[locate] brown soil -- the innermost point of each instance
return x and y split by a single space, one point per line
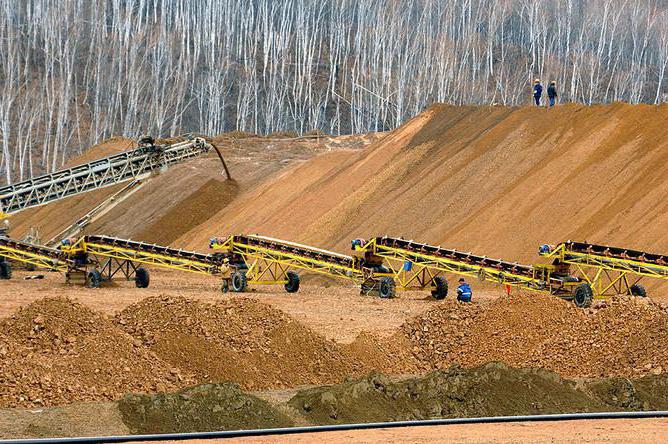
621 338
621 431
187 195
585 173
57 351
202 408
241 340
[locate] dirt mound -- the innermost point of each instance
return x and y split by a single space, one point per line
201 408
392 355
494 180
57 351
240 340
190 211
489 390
623 337
185 196
647 393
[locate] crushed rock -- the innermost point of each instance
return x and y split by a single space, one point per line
624 337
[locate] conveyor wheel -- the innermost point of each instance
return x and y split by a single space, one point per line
387 288
292 286
93 279
638 290
440 290
583 296
142 277
5 270
239 281
225 287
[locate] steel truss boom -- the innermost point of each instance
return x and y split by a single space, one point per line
266 260
609 270
36 255
415 264
611 258
99 173
145 253
93 259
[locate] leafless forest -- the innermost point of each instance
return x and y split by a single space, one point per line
73 72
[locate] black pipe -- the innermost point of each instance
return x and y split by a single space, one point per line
338 427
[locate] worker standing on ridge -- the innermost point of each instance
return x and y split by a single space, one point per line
464 291
537 91
552 92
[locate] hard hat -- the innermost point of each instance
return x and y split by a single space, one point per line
553 82
536 81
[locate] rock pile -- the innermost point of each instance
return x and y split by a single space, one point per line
57 351
240 340
623 337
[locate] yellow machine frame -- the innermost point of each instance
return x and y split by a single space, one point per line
608 276
424 268
128 254
267 266
37 260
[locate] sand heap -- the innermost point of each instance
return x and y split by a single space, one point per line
241 340
57 351
494 180
186 195
624 337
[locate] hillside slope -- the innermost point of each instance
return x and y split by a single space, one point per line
495 180
185 196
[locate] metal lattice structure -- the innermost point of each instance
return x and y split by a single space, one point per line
266 260
609 270
416 265
100 173
93 259
122 252
35 255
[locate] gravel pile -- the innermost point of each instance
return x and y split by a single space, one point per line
57 351
622 337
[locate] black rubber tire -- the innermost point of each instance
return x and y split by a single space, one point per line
93 279
142 277
5 270
387 289
583 296
440 290
292 286
225 287
239 281
638 290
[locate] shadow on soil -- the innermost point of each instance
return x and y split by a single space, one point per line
489 390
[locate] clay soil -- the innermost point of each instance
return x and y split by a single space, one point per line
182 331
493 180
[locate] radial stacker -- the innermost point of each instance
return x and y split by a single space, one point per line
257 260
607 270
134 166
93 259
579 271
138 163
379 266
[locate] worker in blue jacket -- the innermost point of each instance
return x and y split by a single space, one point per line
464 291
537 91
